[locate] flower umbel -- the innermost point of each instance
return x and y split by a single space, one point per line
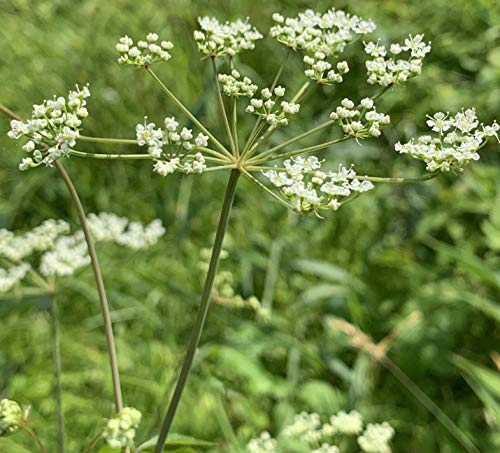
454 144
11 417
120 430
53 128
216 39
310 189
144 53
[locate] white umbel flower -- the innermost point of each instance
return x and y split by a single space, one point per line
11 417
376 438
144 53
120 430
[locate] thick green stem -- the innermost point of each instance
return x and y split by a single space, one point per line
56 354
188 113
108 328
202 311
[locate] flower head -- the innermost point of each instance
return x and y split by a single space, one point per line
455 142
11 417
376 438
215 39
120 430
144 53
52 130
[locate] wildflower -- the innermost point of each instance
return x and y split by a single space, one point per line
233 86
387 71
170 148
268 109
145 53
10 277
359 124
52 130
347 423
326 448
263 444
455 144
320 36
216 39
120 430
11 417
305 427
376 438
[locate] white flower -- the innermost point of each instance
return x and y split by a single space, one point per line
216 39
145 53
455 144
11 417
376 438
263 444
347 423
120 430
279 91
53 128
201 140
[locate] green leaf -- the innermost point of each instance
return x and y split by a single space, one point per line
8 445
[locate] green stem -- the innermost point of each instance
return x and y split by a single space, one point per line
234 106
220 100
267 190
56 354
202 310
107 141
34 435
398 180
260 158
142 156
108 327
296 139
301 91
188 113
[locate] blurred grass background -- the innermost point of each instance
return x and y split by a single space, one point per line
432 248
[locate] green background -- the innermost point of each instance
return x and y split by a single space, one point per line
432 248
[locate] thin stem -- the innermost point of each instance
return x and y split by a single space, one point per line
108 327
220 100
34 435
234 108
267 190
202 310
188 113
260 158
56 354
142 156
301 91
398 180
430 405
254 133
91 444
296 139
107 141
97 274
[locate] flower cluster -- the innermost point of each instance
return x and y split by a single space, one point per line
64 254
10 277
453 145
263 444
360 121
320 36
269 107
347 423
11 417
233 86
53 128
144 53
321 70
387 71
307 431
376 438
216 39
120 430
310 189
305 427
16 247
171 149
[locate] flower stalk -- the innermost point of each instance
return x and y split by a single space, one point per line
202 310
